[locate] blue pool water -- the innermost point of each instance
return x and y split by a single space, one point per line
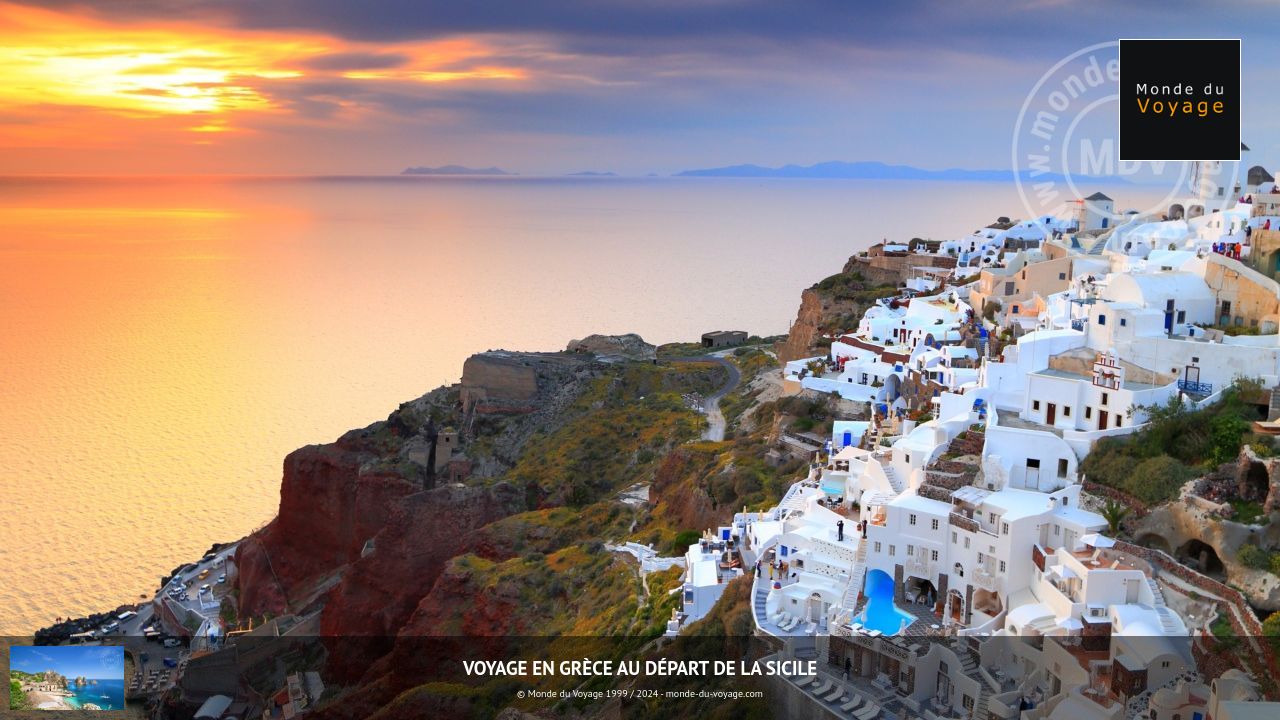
833 487
880 613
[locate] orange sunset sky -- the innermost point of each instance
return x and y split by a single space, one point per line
336 86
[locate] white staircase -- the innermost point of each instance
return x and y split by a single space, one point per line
849 603
894 481
1156 593
1169 622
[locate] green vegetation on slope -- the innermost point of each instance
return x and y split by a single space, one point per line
1177 443
619 430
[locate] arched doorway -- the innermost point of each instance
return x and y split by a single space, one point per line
1176 211
1155 541
955 605
815 609
1255 483
921 591
1201 556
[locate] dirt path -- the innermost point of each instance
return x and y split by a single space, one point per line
711 403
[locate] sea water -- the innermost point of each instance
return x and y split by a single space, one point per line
106 694
165 342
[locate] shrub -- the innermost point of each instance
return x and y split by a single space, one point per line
1109 464
1225 433
1271 627
1157 479
1254 557
683 540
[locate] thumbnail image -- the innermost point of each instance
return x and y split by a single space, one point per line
66 677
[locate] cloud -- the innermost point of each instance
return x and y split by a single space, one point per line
356 61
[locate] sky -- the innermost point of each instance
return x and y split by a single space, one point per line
71 661
538 87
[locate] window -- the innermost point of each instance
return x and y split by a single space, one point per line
1033 463
1002 566
912 519
1088 412
1123 322
1008 288
953 537
966 543
1105 397
933 555
877 546
1062 467
1004 528
1015 310
1118 419
1164 664
934 523
1066 411
1057 530
1102 319
1062 276
1182 317
911 551
1035 405
893 550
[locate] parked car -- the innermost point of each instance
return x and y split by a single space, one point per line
170 663
171 642
222 578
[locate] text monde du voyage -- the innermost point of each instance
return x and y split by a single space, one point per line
638 668
1180 99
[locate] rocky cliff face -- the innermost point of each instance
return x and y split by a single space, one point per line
333 498
835 305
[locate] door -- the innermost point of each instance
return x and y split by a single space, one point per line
1102 419
1050 414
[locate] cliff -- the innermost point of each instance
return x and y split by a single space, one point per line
835 305
399 570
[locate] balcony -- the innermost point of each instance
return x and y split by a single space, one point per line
986 580
919 566
1195 388
964 523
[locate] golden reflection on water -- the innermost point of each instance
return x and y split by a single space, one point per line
164 343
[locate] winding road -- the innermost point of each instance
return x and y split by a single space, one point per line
711 403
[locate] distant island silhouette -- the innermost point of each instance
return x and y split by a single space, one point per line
872 170
453 170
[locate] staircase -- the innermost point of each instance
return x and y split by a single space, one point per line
894 481
1099 244
1273 411
1155 591
1168 622
980 703
851 591
762 615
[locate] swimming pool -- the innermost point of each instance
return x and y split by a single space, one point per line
880 613
833 487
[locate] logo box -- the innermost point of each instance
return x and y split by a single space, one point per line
1180 99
